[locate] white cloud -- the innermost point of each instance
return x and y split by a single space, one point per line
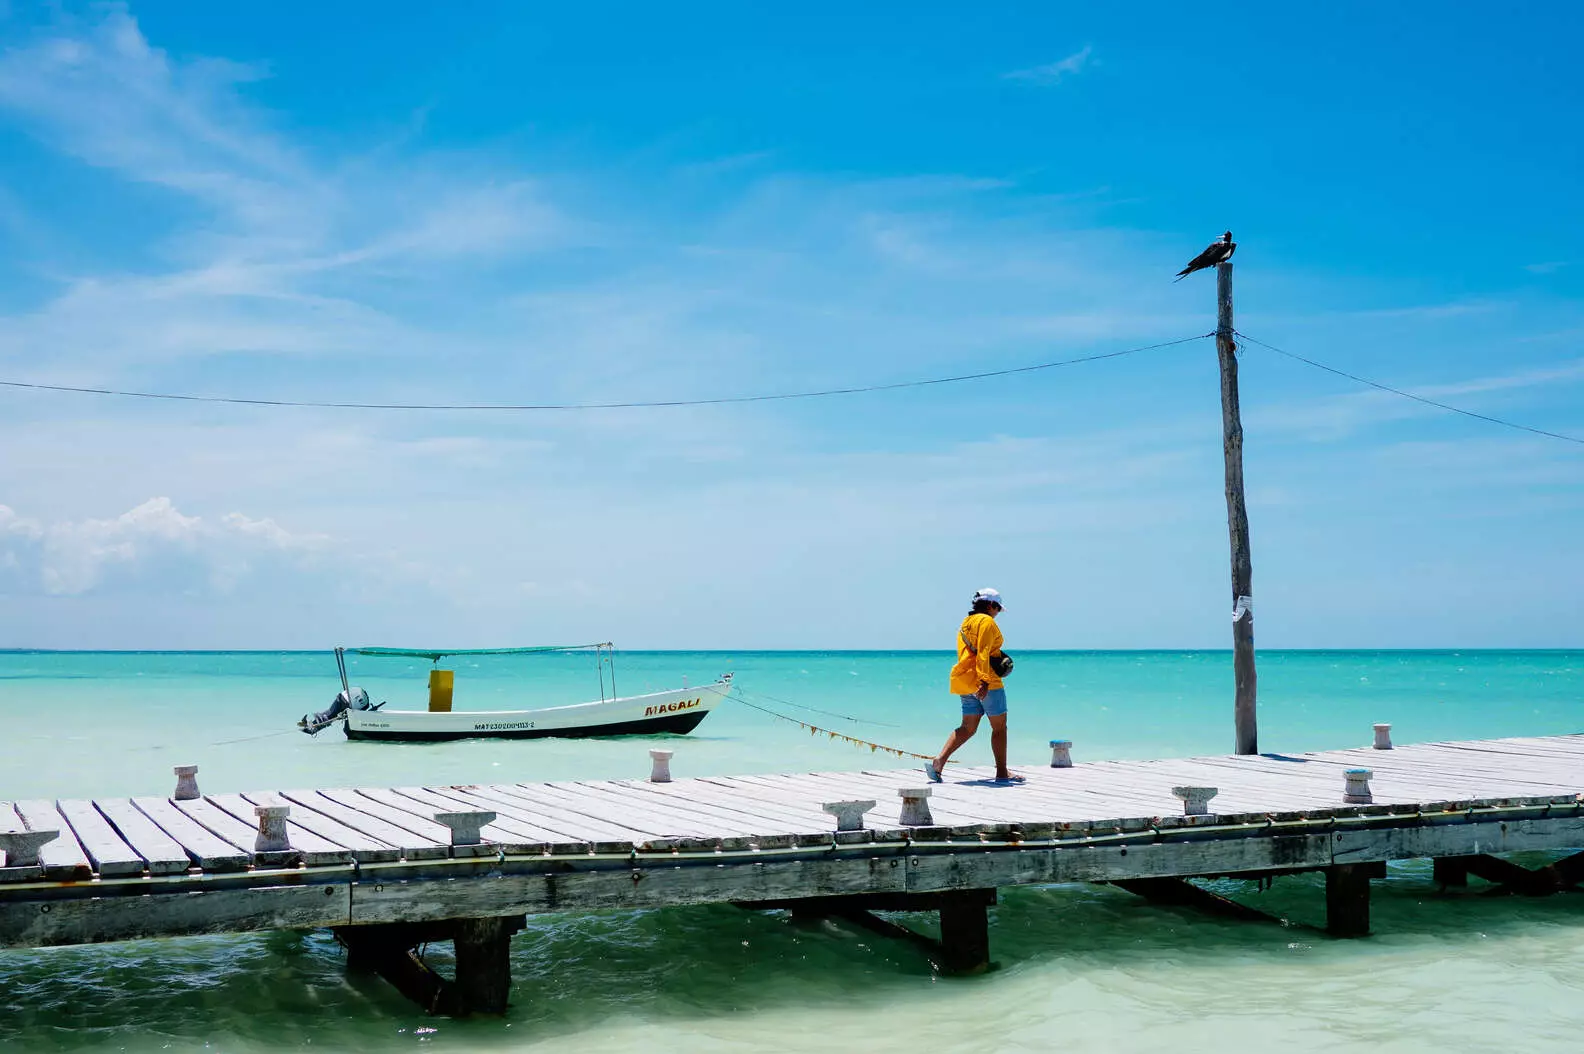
1055 72
74 557
1547 267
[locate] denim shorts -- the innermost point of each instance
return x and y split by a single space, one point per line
994 704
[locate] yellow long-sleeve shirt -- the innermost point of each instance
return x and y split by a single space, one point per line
977 640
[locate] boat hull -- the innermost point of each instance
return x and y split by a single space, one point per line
675 712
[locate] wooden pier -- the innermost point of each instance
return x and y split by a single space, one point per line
391 868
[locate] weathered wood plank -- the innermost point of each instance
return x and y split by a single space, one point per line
506 832
561 833
409 845
364 848
106 851
419 818
240 833
206 849
161 853
313 849
90 920
63 859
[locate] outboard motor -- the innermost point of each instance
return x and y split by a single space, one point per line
314 723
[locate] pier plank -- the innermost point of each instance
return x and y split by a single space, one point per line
239 833
206 849
404 842
365 849
511 834
109 855
423 829
565 825
63 859
418 816
161 853
765 805
312 849
707 817
565 806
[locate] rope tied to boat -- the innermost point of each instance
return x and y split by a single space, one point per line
815 730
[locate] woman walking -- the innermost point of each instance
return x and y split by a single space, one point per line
976 681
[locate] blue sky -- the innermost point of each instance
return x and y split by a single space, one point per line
503 203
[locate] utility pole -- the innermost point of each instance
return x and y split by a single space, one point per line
1237 520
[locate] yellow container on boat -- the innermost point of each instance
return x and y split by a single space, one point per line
440 684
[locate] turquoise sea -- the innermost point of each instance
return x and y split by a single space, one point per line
1080 968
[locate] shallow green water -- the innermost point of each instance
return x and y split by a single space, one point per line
1084 968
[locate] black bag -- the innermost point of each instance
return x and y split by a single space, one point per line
1000 662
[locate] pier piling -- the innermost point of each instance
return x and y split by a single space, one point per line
1348 900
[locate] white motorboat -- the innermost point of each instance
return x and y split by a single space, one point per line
676 711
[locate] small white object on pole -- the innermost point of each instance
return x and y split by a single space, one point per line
1357 789
915 807
465 826
1383 737
1061 753
849 814
271 836
1196 800
661 770
186 783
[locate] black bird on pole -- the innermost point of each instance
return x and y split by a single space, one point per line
1218 252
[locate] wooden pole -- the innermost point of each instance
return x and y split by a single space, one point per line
1237 521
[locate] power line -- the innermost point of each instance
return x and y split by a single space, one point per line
1410 395
652 404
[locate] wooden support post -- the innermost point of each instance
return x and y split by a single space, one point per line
388 950
1179 892
1237 521
1570 870
1449 871
1347 900
964 946
965 932
1515 877
483 963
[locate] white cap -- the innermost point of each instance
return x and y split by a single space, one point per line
991 595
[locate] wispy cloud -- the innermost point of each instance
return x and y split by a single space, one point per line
1338 417
1054 72
1548 267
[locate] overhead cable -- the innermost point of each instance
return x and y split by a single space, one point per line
1409 395
640 405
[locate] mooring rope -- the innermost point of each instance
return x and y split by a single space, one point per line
814 709
815 730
